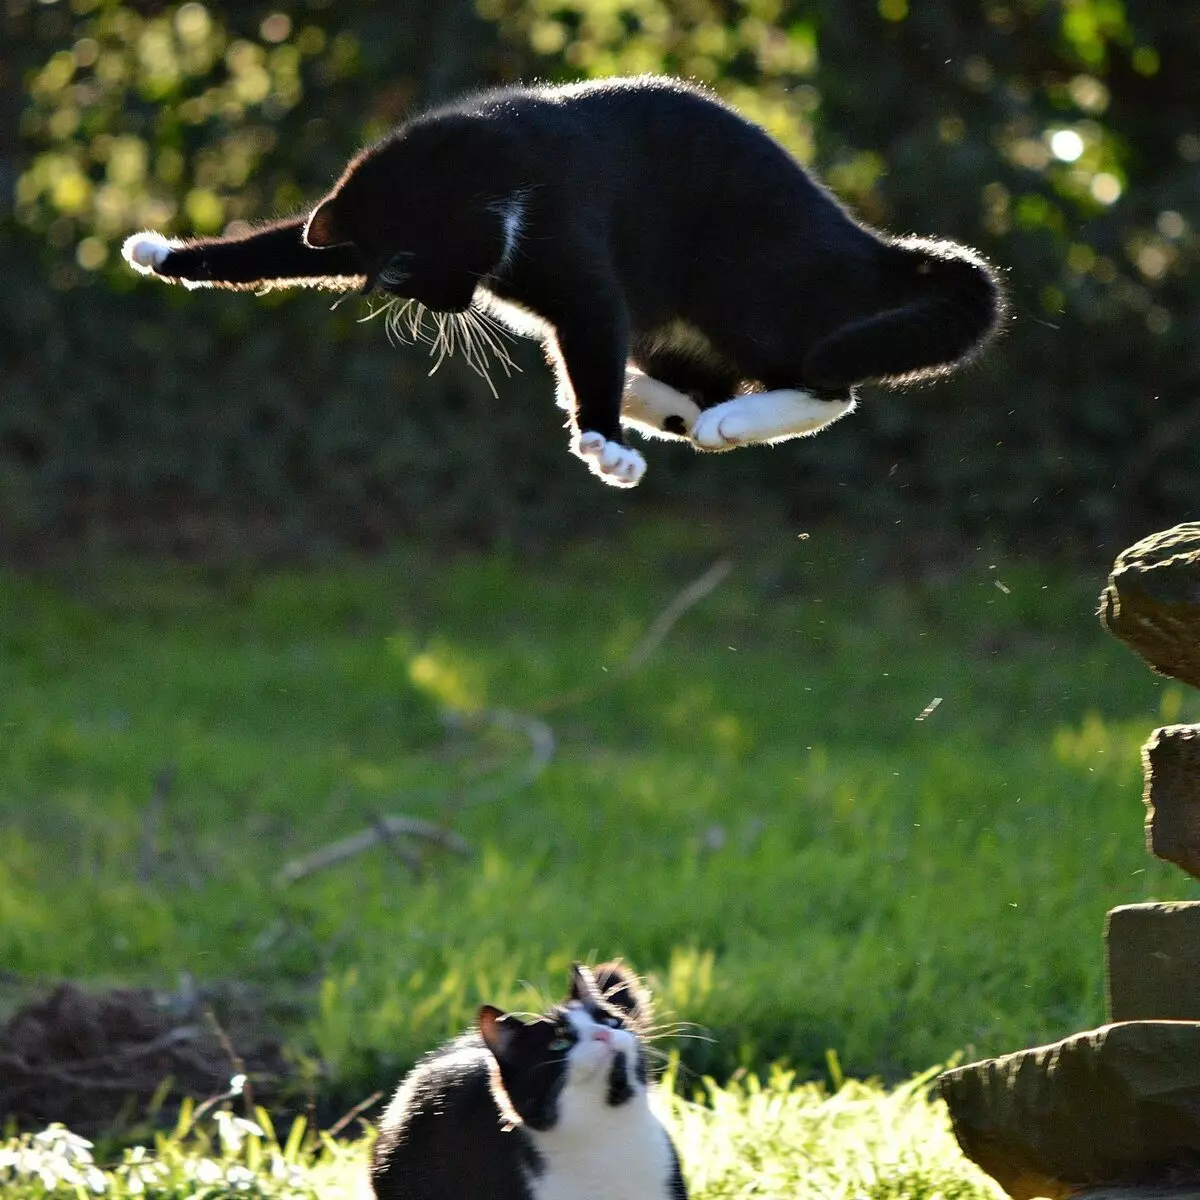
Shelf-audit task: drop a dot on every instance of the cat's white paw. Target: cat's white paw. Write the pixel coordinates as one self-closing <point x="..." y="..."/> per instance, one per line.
<point x="147" y="251"/>
<point x="716" y="429"/>
<point x="764" y="417"/>
<point x="655" y="408"/>
<point x="621" y="466"/>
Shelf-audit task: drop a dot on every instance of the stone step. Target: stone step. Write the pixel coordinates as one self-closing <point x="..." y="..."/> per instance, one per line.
<point x="1154" y="961"/>
<point x="1113" y="1106"/>
<point x="1152" y="601"/>
<point x="1171" y="767"/>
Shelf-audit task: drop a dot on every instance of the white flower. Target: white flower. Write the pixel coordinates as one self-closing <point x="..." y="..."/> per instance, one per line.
<point x="235" y="1130"/>
<point x="208" y="1171"/>
<point x="239" y="1178"/>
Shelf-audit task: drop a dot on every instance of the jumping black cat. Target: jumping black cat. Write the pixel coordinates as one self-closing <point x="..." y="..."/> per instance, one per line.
<point x="549" y="1109"/>
<point x="684" y="272"/>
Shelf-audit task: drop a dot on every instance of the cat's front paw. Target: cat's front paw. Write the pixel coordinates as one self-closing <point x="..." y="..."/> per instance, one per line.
<point x="620" y="466"/>
<point x="147" y="251"/>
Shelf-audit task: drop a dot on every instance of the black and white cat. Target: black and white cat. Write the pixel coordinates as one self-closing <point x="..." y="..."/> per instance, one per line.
<point x="684" y="272"/>
<point x="554" y="1108"/>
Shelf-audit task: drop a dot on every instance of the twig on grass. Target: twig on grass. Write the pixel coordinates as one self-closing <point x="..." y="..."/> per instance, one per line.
<point x="359" y="1108"/>
<point x="389" y="830"/>
<point x="411" y="858"/>
<point x="164" y="781"/>
<point x="688" y="597"/>
<point x="356" y="843"/>
<point x="541" y="751"/>
<point x="239" y="1077"/>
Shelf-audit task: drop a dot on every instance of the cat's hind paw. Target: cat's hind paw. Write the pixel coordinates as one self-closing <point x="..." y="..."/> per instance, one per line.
<point x="145" y="252"/>
<point x="620" y="466"/>
<point x="656" y="409"/>
<point x="765" y="417"/>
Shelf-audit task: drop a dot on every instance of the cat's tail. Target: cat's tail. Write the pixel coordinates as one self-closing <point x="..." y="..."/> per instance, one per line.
<point x="950" y="305"/>
<point x="273" y="256"/>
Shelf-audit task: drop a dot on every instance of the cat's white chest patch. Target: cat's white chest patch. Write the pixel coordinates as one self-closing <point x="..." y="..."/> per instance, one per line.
<point x="622" y="1154"/>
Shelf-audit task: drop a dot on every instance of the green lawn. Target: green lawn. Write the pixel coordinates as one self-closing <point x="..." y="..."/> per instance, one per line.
<point x="775" y="1140"/>
<point x="756" y="818"/>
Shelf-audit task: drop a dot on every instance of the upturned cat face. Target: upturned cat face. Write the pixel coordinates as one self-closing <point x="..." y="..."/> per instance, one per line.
<point x="583" y="1055"/>
<point x="417" y="231"/>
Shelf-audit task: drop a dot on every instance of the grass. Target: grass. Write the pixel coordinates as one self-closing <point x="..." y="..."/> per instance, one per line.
<point x="776" y="1138"/>
<point x="756" y="819"/>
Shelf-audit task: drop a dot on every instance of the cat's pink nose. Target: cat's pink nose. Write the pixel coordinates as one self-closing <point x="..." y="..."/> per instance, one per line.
<point x="602" y="1033"/>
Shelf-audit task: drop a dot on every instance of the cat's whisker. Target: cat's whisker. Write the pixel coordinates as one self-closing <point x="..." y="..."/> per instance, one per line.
<point x="474" y="333"/>
<point x="685" y="1031"/>
<point x="499" y="336"/>
<point x="441" y="341"/>
<point x="392" y="325"/>
<point x="372" y="313"/>
<point x="492" y="334"/>
<point x="410" y="316"/>
<point x="420" y="313"/>
<point x="477" y="349"/>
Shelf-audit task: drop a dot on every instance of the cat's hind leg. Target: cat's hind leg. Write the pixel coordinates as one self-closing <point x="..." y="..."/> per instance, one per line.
<point x="655" y="408"/>
<point x="766" y="417"/>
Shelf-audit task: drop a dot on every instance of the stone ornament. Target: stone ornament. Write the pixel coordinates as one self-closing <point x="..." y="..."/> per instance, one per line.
<point x="1152" y="601"/>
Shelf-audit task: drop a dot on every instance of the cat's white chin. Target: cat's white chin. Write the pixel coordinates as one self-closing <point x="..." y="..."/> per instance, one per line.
<point x="145" y="252"/>
<point x="617" y="465"/>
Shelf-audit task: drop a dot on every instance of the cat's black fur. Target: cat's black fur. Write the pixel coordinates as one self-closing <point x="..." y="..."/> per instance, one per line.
<point x="636" y="220"/>
<point x="477" y="1118"/>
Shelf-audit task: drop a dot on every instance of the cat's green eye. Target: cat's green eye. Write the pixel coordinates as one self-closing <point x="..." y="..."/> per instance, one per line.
<point x="560" y="1043"/>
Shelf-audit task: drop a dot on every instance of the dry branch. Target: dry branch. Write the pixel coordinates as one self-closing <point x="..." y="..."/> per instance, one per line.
<point x="687" y="598"/>
<point x="389" y="830"/>
<point x="164" y="781"/>
<point x="541" y="751"/>
<point x="356" y="843"/>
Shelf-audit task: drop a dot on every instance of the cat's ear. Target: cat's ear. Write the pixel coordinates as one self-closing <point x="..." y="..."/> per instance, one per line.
<point x="621" y="988"/>
<point x="497" y="1029"/>
<point x="322" y="229"/>
<point x="583" y="985"/>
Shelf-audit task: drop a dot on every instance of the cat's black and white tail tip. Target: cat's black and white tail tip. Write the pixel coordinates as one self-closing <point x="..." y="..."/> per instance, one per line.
<point x="145" y="252"/>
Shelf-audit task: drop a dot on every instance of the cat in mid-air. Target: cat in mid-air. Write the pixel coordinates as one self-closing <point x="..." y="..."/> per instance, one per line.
<point x="684" y="272"/>
<point x="549" y="1108"/>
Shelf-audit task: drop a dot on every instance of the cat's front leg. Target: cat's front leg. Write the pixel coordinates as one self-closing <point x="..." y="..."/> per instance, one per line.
<point x="589" y="354"/>
<point x="273" y="255"/>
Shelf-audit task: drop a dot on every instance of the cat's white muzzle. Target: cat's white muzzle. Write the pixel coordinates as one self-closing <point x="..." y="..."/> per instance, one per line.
<point x="598" y="1045"/>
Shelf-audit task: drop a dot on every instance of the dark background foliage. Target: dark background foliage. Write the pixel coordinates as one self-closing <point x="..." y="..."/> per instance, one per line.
<point x="1059" y="136"/>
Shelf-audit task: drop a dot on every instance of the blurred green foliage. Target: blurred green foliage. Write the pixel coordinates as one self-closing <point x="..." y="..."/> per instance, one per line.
<point x="1058" y="135"/>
